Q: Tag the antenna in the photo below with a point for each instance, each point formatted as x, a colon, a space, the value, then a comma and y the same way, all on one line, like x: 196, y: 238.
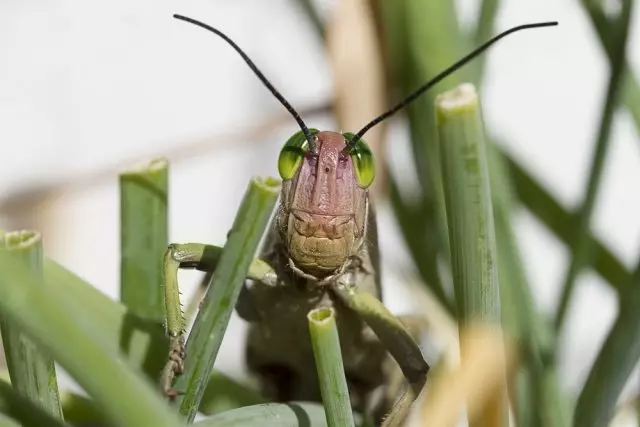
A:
x: 258, y: 73
x: 415, y: 94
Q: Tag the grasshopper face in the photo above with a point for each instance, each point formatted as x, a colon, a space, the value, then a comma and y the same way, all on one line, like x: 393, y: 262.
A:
x: 324, y: 201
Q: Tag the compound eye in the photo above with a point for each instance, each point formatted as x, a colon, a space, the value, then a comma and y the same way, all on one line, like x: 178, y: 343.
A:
x: 292, y: 154
x: 363, y: 161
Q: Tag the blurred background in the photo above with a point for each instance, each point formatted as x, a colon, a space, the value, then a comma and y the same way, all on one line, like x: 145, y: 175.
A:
x: 88, y: 89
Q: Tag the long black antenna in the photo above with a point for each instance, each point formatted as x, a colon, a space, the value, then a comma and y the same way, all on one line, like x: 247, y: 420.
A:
x: 258, y: 73
x: 442, y: 75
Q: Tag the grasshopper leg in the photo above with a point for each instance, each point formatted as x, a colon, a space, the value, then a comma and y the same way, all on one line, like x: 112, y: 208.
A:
x: 399, y: 341
x: 191, y: 256
x: 177, y: 256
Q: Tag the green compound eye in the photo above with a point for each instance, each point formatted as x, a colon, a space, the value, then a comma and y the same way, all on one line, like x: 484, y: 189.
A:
x: 292, y: 154
x: 363, y: 162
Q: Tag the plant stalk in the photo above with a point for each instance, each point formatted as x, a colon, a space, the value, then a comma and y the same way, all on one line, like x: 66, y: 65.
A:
x: 470, y: 219
x: 328, y: 357
x: 143, y: 238
x: 32, y: 372
x: 222, y: 294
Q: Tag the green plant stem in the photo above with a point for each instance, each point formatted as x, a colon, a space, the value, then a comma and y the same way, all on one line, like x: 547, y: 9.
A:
x: 77, y: 409
x: 212, y: 319
x: 469, y: 214
x: 580, y: 249
x: 416, y: 225
x: 561, y: 223
x: 224, y: 393
x: 124, y: 396
x: 313, y: 15
x: 328, y: 357
x: 27, y: 412
x: 292, y: 414
x: 468, y: 203
x: 140, y: 342
x: 520, y: 318
x: 144, y: 342
x: 33, y: 374
x: 420, y: 40
x: 7, y: 422
x: 618, y: 356
x: 143, y: 238
x: 605, y: 29
x: 483, y: 32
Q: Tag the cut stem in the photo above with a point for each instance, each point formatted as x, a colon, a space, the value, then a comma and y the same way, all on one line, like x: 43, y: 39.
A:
x: 328, y: 357
x: 143, y: 238
x: 42, y: 312
x: 32, y: 372
x: 470, y: 218
x: 222, y: 294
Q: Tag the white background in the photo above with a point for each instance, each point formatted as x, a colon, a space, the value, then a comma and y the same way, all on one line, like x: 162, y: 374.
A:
x: 87, y: 88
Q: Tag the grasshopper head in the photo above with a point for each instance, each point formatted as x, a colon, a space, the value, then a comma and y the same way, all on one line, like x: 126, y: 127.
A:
x: 324, y: 199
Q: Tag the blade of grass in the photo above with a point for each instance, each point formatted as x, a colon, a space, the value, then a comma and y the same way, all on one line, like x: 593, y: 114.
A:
x: 414, y: 220
x: 8, y: 422
x: 143, y: 238
x: 144, y: 342
x: 417, y: 46
x: 223, y: 393
x: 470, y: 218
x: 28, y: 413
x: 292, y: 414
x: 211, y: 321
x: 580, y: 248
x: 77, y: 409
x: 562, y: 223
x: 618, y: 356
x: 33, y: 374
x: 328, y: 357
x: 605, y: 28
x: 312, y: 14
x: 141, y: 343
x: 520, y: 317
x: 124, y: 396
x: 483, y: 31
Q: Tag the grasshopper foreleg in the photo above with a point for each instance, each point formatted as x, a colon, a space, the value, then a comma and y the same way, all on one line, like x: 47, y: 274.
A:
x: 201, y: 257
x: 177, y: 256
x: 398, y: 340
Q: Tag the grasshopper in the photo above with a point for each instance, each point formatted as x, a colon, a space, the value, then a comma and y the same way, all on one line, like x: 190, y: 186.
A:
x: 322, y: 251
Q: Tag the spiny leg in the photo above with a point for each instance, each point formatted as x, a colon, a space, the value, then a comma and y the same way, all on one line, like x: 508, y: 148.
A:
x: 204, y: 258
x: 398, y: 340
x: 177, y: 256
x: 417, y: 326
